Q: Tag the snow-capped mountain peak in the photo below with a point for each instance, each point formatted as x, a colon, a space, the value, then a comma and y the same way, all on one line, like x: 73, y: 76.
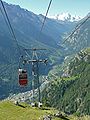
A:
x: 66, y: 17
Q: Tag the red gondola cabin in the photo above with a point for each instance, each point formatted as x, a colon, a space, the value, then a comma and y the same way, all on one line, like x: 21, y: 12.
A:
x: 23, y: 77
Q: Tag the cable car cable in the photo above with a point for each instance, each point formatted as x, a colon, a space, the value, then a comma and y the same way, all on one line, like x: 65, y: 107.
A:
x: 5, y: 20
x: 76, y: 28
x: 42, y: 23
x: 46, y: 15
x: 6, y: 68
x: 12, y: 30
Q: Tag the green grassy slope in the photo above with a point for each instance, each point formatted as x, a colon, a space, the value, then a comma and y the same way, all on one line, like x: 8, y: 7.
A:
x: 9, y: 111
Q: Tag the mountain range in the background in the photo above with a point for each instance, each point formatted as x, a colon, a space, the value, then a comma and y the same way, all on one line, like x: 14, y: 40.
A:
x: 65, y: 17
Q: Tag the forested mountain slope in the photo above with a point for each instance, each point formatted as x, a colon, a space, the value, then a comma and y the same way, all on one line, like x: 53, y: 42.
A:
x: 71, y: 93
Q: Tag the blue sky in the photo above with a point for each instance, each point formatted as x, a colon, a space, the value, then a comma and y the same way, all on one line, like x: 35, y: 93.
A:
x: 78, y: 7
